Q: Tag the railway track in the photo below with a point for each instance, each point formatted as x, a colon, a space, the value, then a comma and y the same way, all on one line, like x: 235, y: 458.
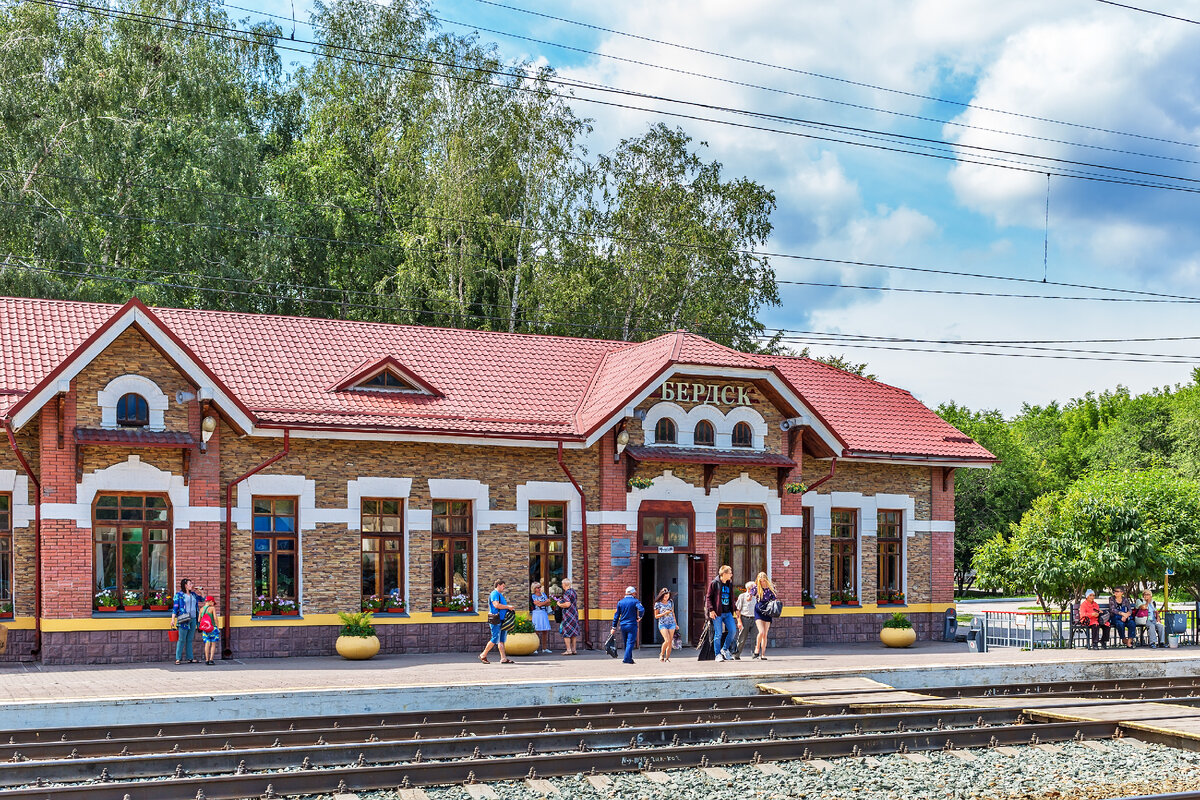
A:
x: 313, y: 755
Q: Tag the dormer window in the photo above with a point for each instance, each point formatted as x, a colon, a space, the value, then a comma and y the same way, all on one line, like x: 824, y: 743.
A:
x: 743, y: 436
x: 664, y: 431
x: 133, y: 411
x: 704, y: 436
x: 387, y: 381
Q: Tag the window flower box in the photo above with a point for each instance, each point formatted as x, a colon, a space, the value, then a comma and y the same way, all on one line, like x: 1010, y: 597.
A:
x: 158, y: 600
x: 105, y: 601
x: 285, y: 607
x: 160, y: 608
x: 131, y: 601
x: 807, y: 599
x: 6, y: 609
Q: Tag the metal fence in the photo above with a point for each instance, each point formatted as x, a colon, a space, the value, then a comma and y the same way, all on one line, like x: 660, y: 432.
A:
x: 1037, y: 630
x: 1028, y: 630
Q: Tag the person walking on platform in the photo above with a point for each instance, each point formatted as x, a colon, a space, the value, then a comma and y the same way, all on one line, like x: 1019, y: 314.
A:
x: 570, y: 617
x: 745, y: 610
x: 497, y: 607
x: 764, y: 597
x: 664, y: 618
x: 627, y: 618
x: 718, y: 603
x: 1120, y: 612
x: 209, y: 626
x: 185, y: 613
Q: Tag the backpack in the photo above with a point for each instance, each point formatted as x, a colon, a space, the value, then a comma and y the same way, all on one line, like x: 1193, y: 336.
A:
x: 206, y: 623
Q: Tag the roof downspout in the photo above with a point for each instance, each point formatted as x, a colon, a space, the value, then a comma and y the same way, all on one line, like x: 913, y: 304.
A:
x: 832, y: 469
x: 37, y: 543
x: 587, y: 632
x: 227, y: 650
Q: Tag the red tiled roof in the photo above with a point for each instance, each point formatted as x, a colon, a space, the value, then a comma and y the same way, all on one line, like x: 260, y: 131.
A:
x: 284, y: 370
x: 698, y: 455
x: 875, y: 418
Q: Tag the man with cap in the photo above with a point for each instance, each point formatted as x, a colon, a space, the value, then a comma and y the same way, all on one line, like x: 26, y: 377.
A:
x: 628, y: 617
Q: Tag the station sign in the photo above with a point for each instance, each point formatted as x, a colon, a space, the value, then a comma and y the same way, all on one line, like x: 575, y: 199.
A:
x: 714, y: 394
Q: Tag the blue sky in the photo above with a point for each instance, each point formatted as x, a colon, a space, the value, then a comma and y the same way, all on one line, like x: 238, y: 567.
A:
x: 1075, y: 60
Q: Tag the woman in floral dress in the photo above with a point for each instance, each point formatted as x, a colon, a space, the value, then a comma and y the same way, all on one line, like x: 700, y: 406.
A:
x: 569, y: 603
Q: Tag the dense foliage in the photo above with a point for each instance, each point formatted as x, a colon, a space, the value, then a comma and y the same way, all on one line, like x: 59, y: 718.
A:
x: 405, y: 174
x: 1098, y: 492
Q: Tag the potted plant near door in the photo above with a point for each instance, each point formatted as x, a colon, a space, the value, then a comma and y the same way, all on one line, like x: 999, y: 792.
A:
x: 897, y: 631
x: 522, y: 639
x: 356, y: 640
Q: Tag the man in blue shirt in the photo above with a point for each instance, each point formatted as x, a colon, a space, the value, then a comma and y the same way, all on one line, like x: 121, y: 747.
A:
x: 628, y: 617
x: 497, y: 607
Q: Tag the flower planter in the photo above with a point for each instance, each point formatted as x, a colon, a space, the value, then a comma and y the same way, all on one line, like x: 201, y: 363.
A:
x: 395, y: 611
x: 898, y: 637
x: 160, y: 608
x: 357, y: 648
x: 292, y: 613
x: 132, y: 608
x: 106, y: 609
x: 521, y: 644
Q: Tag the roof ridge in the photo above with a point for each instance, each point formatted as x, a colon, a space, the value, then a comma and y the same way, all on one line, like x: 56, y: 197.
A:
x: 823, y: 365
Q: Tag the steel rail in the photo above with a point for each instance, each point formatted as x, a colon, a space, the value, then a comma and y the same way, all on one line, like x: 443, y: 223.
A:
x: 222, y: 758
x: 338, y: 734
x: 426, y: 773
x: 280, y: 724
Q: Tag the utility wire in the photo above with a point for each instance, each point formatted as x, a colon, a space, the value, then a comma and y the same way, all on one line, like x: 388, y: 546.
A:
x: 777, y: 90
x: 950, y: 155
x: 847, y: 81
x: 579, y: 234
x: 1064, y: 354
x: 1149, y: 11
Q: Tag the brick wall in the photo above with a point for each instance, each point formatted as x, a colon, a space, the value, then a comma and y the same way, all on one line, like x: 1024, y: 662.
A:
x: 132, y: 354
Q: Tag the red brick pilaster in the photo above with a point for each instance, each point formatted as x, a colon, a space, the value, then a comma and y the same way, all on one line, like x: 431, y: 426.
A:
x: 609, y: 585
x: 942, y: 502
x: 66, y: 549
x: 198, y: 548
x: 787, y: 545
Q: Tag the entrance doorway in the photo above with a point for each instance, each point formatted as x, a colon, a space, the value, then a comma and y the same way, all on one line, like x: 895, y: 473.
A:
x: 659, y: 570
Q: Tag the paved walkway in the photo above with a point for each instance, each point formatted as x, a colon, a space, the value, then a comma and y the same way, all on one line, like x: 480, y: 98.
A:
x: 34, y: 682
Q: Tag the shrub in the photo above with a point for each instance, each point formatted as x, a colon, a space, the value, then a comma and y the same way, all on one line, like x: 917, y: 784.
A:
x: 356, y: 624
x: 523, y: 624
x: 897, y: 620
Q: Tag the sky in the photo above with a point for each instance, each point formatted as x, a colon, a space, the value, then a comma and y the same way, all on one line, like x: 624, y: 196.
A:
x: 1082, y: 80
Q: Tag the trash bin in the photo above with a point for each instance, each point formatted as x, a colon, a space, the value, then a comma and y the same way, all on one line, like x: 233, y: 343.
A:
x: 975, y: 641
x: 950, y: 630
x: 1176, y: 622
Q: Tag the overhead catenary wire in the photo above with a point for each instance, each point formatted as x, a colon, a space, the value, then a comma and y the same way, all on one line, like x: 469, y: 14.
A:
x: 984, y: 156
x: 1064, y: 354
x: 1139, y: 293
x: 850, y: 82
x: 1150, y: 11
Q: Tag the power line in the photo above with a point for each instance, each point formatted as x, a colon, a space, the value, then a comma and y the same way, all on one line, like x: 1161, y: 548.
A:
x: 777, y: 90
x: 1149, y: 11
x: 584, y: 234
x: 848, y: 81
x: 993, y: 154
x: 1066, y: 354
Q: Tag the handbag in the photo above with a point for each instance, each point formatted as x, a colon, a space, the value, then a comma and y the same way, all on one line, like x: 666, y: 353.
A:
x: 773, y: 608
x: 706, y: 644
x: 510, y: 621
x: 610, y: 646
x: 493, y: 619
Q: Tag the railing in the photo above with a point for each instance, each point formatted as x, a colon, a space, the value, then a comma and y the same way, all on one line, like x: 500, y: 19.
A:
x: 1028, y: 630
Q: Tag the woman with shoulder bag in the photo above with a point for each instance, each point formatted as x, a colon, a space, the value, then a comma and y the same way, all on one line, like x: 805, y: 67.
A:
x: 766, y: 608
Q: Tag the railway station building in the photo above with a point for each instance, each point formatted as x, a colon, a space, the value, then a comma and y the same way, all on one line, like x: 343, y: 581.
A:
x: 295, y: 468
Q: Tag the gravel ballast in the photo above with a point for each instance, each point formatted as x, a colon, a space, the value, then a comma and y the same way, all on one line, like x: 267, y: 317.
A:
x: 1076, y: 772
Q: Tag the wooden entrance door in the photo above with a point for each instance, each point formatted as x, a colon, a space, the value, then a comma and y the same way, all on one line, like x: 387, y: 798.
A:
x: 697, y: 589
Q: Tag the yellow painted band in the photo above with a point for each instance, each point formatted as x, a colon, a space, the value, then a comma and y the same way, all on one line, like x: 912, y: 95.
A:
x: 18, y: 623
x: 874, y: 608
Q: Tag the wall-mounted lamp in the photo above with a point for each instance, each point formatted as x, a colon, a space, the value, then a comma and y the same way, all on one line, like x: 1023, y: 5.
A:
x: 207, y: 426
x: 622, y: 443
x: 639, y: 414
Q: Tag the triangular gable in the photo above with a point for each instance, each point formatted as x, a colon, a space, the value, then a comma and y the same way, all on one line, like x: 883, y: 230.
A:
x: 629, y: 375
x: 386, y: 364
x: 134, y: 314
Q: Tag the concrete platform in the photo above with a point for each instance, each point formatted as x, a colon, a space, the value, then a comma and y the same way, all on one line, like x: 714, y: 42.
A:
x: 33, y: 695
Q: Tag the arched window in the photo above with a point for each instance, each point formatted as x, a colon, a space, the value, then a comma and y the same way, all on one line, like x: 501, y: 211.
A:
x: 664, y: 431
x: 742, y: 435
x: 133, y: 411
x: 704, y: 436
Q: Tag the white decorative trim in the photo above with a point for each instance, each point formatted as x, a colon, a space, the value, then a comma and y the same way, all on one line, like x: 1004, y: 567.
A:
x: 17, y: 484
x: 131, y: 475
x: 303, y: 489
x: 742, y: 490
x: 387, y: 488
x: 477, y: 493
x: 933, y: 526
x: 117, y: 388
x: 868, y: 508
x: 685, y: 425
x: 551, y: 492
